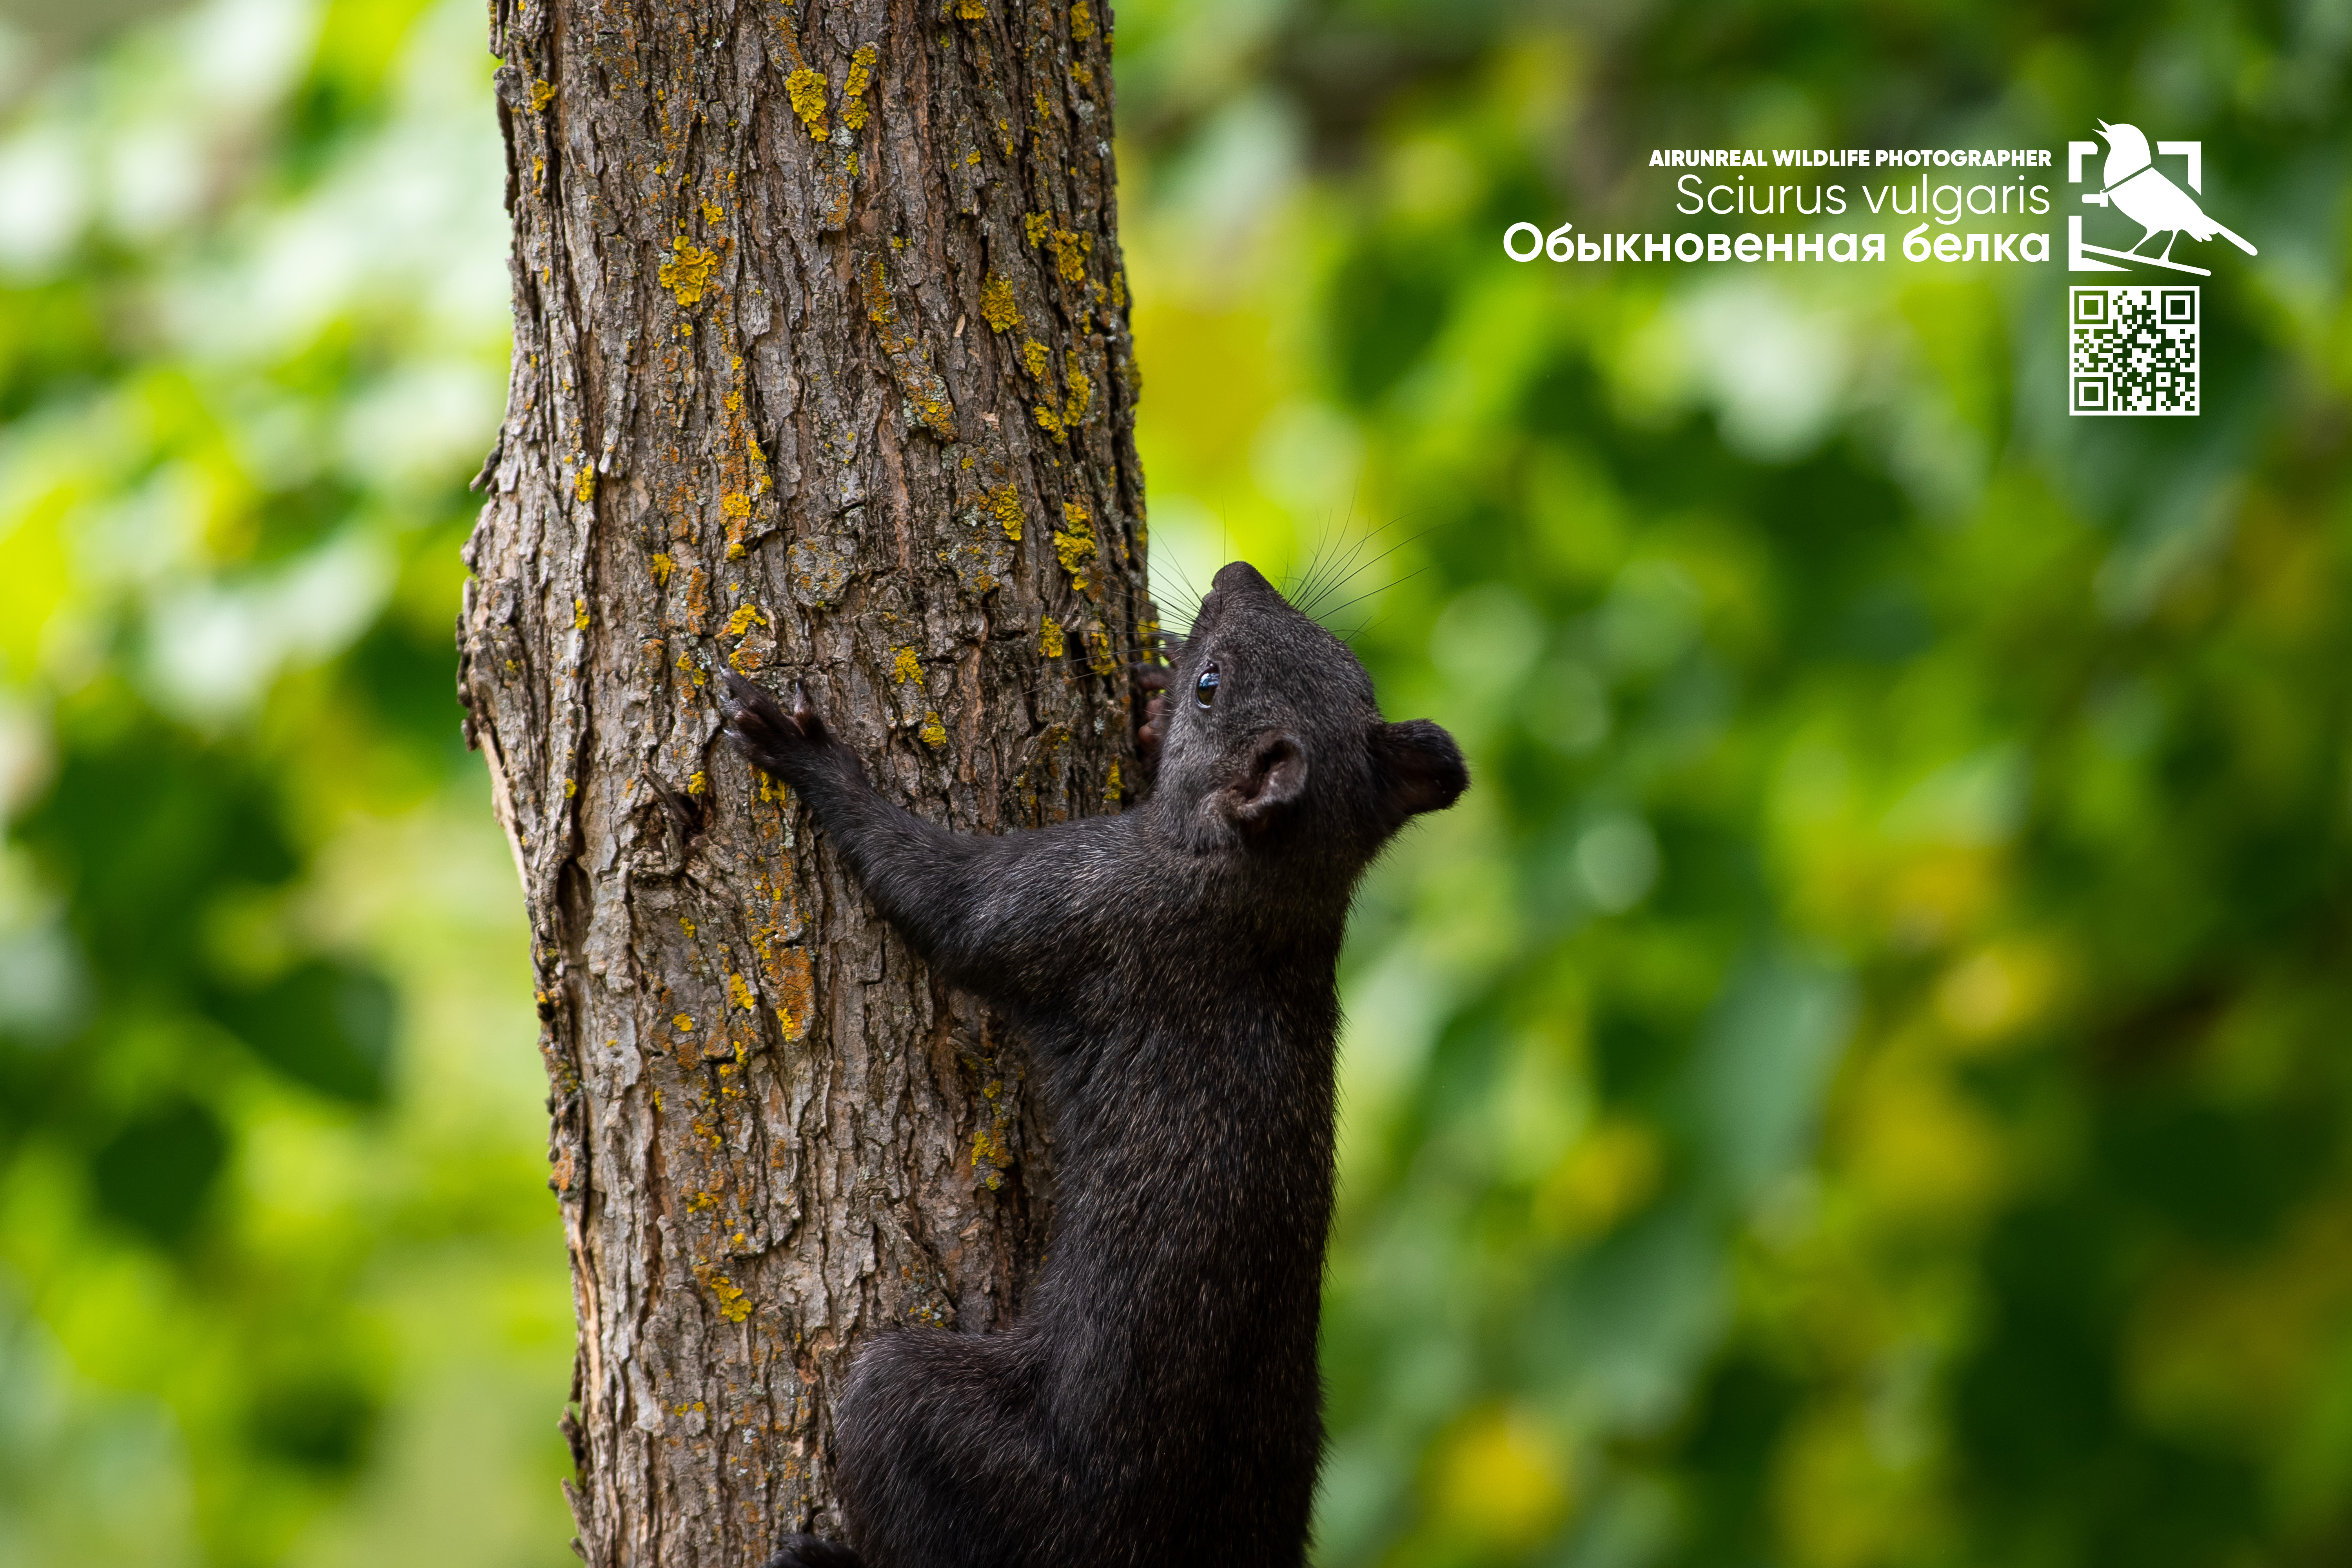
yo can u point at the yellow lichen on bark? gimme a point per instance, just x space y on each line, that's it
853 109
805 89
688 271
1074 546
1005 501
996 305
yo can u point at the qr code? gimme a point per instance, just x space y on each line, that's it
2132 350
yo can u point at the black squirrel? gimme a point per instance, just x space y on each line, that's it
1174 972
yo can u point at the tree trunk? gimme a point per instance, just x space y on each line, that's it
822 369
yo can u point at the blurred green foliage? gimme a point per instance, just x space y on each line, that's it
280 1281
1861 1080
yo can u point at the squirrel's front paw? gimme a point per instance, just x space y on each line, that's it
1152 722
777 743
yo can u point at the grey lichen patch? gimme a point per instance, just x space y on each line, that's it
910 361
815 573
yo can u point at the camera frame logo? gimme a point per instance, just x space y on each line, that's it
2133 349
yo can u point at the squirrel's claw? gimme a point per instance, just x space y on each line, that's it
758 725
1152 678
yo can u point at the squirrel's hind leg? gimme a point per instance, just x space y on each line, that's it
940 1457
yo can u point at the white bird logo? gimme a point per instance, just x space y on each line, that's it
2139 190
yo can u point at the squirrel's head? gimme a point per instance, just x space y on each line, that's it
1271 741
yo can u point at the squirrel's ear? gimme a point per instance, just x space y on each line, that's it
1275 777
1419 767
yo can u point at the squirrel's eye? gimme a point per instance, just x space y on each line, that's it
1204 690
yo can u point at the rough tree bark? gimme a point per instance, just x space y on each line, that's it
822 369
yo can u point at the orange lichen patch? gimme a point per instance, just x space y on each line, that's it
697 600
805 89
1049 638
997 307
1082 21
795 986
853 109
880 309
1004 505
742 464
688 271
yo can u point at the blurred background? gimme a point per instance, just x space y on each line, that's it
1863 1080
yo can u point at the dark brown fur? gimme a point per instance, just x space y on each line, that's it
1173 971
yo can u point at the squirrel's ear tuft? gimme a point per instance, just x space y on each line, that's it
1419 767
